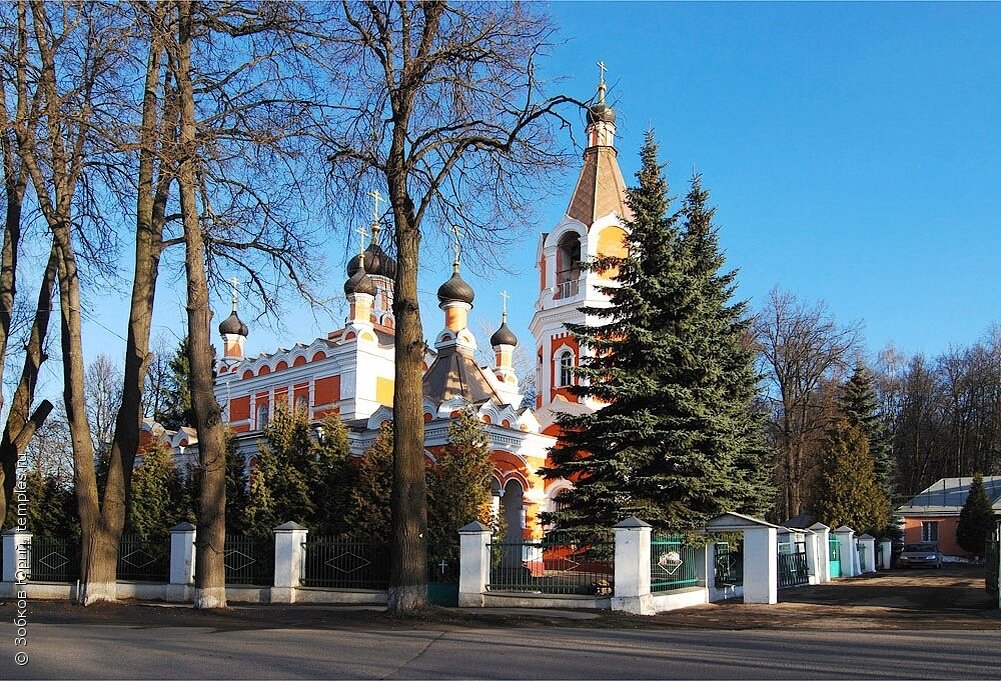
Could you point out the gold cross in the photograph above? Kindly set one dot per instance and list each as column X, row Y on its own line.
column 601, row 72
column 361, row 249
column 235, row 282
column 376, row 200
column 455, row 247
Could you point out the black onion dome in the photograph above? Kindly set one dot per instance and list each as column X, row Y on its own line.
column 377, row 262
column 454, row 289
column 232, row 325
column 600, row 113
column 503, row 336
column 359, row 282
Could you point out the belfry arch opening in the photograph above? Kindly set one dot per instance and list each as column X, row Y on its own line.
column 568, row 265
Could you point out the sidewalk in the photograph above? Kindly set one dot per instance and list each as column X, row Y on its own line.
column 951, row 599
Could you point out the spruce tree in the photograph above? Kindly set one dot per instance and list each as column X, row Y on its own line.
column 675, row 443
column 155, row 486
column 846, row 491
column 367, row 514
column 459, row 482
column 858, row 403
column 976, row 520
column 286, row 468
column 175, row 408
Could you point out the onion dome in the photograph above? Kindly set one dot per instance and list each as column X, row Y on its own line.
column 232, row 325
column 456, row 289
column 503, row 336
column 359, row 282
column 600, row 113
column 377, row 262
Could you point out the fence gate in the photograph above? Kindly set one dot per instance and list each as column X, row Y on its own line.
column 793, row 569
column 834, row 547
column 443, row 574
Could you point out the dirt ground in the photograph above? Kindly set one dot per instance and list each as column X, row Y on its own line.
column 952, row 598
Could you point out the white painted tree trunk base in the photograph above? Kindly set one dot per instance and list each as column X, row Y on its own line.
column 214, row 597
column 97, row 592
column 407, row 599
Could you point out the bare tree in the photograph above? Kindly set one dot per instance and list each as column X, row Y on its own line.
column 104, row 399
column 23, row 419
column 244, row 189
column 803, row 352
column 439, row 103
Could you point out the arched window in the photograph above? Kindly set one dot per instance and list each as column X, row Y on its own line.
column 566, row 368
column 262, row 417
column 568, row 266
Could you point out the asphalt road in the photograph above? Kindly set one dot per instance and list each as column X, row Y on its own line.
column 897, row 625
column 122, row 652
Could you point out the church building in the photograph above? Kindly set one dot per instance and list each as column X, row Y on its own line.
column 349, row 371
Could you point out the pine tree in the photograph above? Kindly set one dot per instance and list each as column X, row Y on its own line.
column 367, row 514
column 156, row 484
column 846, row 491
column 976, row 520
column 175, row 408
column 858, row 403
column 459, row 481
column 237, row 486
column 286, row 467
column 335, row 477
column 52, row 511
column 676, row 443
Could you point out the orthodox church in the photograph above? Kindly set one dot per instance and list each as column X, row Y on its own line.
column 350, row 371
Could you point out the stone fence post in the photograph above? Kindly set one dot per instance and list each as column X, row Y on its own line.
column 823, row 534
column 474, row 564
column 886, row 554
column 868, row 558
column 632, row 567
column 849, row 551
column 812, row 556
column 761, row 565
column 182, row 563
column 289, row 559
column 16, row 556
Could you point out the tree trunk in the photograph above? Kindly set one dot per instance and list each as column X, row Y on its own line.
column 210, row 574
column 21, row 421
column 408, row 576
column 150, row 202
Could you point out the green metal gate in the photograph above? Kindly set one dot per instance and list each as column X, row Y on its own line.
column 443, row 574
column 834, row 546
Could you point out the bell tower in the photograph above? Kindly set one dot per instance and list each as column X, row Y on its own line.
column 593, row 225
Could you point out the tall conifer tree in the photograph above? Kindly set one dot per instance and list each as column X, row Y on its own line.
column 858, row 403
column 976, row 519
column 675, row 443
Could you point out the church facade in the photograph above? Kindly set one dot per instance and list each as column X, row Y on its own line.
column 350, row 371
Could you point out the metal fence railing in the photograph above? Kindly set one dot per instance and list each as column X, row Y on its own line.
column 344, row 564
column 143, row 560
column 793, row 569
column 54, row 559
column 249, row 560
column 672, row 563
column 553, row 567
column 728, row 566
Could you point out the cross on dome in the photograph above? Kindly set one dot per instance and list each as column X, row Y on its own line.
column 504, row 296
column 455, row 248
column 235, row 283
column 601, row 82
column 362, row 232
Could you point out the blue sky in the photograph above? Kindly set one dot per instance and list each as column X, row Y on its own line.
column 853, row 151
